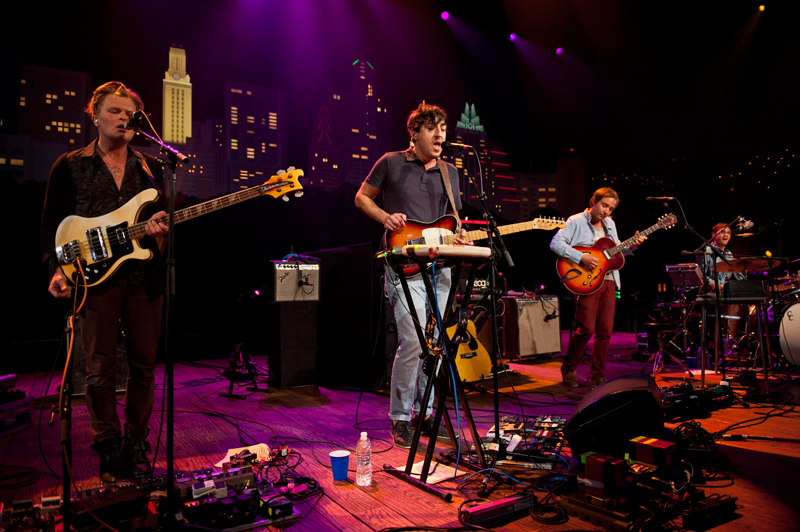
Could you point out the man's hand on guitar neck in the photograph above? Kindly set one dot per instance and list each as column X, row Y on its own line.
column 639, row 240
column 154, row 227
column 59, row 287
column 461, row 241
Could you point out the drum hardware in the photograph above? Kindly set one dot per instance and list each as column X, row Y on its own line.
column 657, row 358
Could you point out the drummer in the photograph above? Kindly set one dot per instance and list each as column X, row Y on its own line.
column 720, row 237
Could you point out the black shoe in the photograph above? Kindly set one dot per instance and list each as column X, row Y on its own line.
column 112, row 468
column 427, row 428
column 401, row 434
column 134, row 455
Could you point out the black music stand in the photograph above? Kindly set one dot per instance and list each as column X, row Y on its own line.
column 444, row 372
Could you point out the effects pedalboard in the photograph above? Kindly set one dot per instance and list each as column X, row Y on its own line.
column 223, row 500
column 532, row 442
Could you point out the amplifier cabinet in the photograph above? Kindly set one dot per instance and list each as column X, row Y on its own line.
column 296, row 282
column 531, row 326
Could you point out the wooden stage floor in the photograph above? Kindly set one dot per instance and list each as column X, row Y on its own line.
column 314, row 421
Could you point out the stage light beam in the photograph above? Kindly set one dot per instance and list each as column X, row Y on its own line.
column 445, row 15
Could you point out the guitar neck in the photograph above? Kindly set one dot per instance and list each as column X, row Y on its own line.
column 137, row 231
column 632, row 240
column 480, row 234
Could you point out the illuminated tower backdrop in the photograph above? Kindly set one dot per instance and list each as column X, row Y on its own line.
column 177, row 99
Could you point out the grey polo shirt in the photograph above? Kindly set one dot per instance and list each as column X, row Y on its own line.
column 410, row 189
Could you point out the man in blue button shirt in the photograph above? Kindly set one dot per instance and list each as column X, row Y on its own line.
column 595, row 312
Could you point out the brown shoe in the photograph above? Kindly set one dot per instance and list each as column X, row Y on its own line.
column 597, row 380
column 569, row 379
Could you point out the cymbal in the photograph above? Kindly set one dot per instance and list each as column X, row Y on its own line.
column 749, row 265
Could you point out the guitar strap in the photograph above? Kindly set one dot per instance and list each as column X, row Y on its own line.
column 146, row 169
column 448, row 187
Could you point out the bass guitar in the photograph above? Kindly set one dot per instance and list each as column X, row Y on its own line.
column 581, row 281
column 102, row 244
column 442, row 231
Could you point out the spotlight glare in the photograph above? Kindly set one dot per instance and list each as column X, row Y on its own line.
column 559, row 50
column 761, row 8
column 512, row 37
column 445, row 15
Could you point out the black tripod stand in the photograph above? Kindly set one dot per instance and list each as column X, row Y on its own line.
column 440, row 363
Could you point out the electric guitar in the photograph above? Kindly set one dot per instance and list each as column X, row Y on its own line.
column 442, row 231
column 472, row 359
column 581, row 281
column 104, row 243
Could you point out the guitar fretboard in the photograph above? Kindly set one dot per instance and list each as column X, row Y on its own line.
column 480, row 234
column 137, row 231
column 632, row 240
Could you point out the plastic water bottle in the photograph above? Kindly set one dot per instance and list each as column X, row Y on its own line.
column 364, row 461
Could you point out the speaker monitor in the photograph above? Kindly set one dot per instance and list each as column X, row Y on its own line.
column 292, row 344
column 613, row 413
column 532, row 326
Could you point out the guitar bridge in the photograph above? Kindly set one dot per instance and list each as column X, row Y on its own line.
column 97, row 244
column 69, row 252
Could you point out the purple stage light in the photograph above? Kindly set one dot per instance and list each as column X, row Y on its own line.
column 512, row 37
column 559, row 50
column 445, row 15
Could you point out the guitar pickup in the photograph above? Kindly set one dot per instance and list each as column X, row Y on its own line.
column 97, row 244
column 69, row 252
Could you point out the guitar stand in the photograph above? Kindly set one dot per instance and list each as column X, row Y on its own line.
column 241, row 368
column 445, row 378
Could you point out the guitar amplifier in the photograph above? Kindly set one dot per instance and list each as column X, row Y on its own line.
column 531, row 326
column 296, row 281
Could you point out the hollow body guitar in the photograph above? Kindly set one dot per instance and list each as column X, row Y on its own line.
column 583, row 282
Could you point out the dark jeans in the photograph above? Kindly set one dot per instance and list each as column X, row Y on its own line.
column 595, row 315
column 99, row 324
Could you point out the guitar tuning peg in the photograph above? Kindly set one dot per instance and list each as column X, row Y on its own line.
column 299, row 194
column 290, row 169
column 285, row 198
column 280, row 172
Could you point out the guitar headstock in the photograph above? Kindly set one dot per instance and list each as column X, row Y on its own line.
column 549, row 223
column 284, row 182
column 667, row 221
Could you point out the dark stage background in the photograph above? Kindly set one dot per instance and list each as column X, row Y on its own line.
column 659, row 98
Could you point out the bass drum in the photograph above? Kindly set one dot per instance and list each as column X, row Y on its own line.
column 789, row 333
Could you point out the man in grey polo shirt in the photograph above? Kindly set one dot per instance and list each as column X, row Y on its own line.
column 413, row 189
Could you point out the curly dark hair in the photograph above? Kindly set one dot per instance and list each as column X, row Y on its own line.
column 425, row 115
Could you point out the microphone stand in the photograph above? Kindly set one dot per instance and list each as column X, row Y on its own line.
column 719, row 255
column 173, row 157
column 497, row 245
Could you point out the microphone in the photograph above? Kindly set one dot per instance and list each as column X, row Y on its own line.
column 446, row 145
column 668, row 198
column 745, row 224
column 304, row 282
column 133, row 121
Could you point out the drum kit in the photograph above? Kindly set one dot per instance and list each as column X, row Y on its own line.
column 741, row 302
